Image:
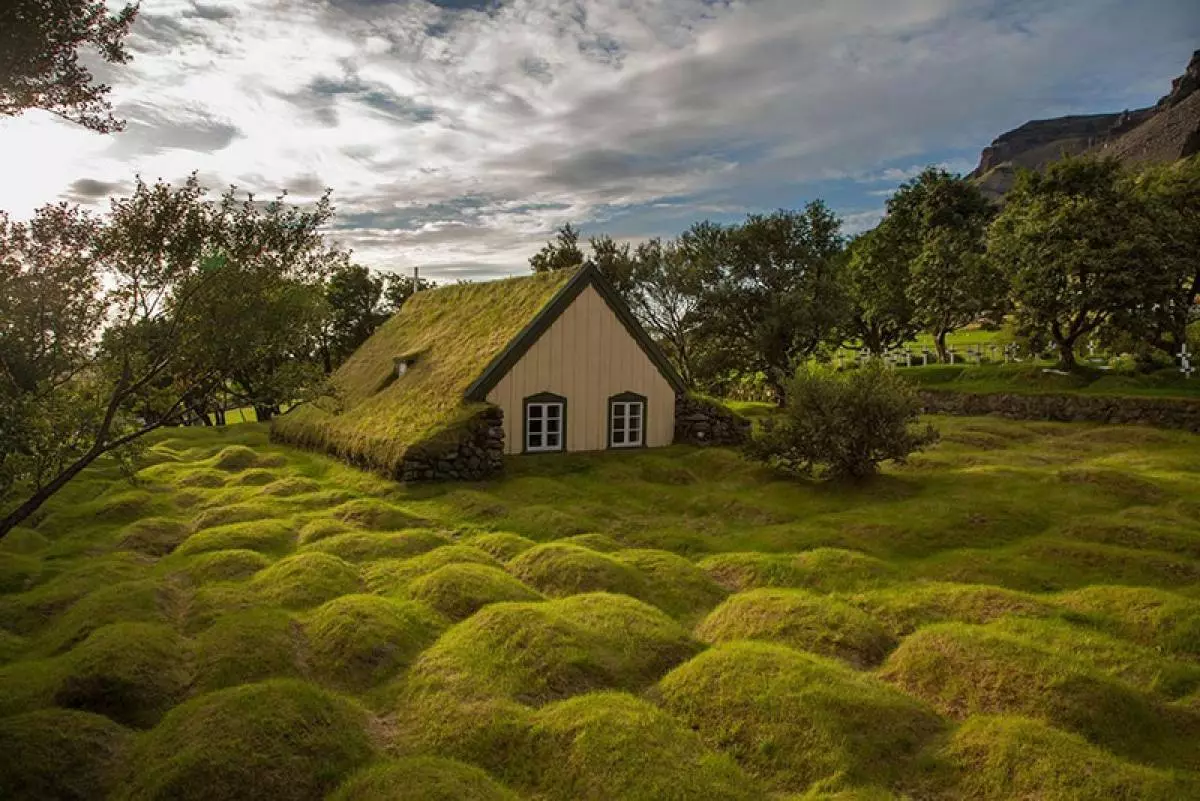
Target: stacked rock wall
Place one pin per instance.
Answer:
(477, 454)
(700, 421)
(1180, 413)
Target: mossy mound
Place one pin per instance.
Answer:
(792, 718)
(59, 755)
(503, 545)
(821, 569)
(1120, 483)
(213, 601)
(28, 684)
(290, 486)
(322, 527)
(560, 570)
(1160, 535)
(677, 586)
(127, 602)
(357, 641)
(376, 515)
(799, 619)
(130, 672)
(268, 536)
(1154, 618)
(213, 566)
(359, 546)
(281, 739)
(200, 478)
(422, 779)
(541, 652)
(906, 607)
(26, 612)
(1000, 758)
(11, 646)
(23, 539)
(593, 542)
(18, 572)
(247, 646)
(235, 458)
(153, 536)
(611, 745)
(458, 591)
(232, 513)
(255, 478)
(306, 580)
(967, 670)
(393, 575)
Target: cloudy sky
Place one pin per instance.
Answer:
(457, 134)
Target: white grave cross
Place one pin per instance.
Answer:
(1185, 361)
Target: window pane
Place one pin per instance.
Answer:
(618, 437)
(553, 426)
(535, 426)
(552, 440)
(535, 440)
(535, 410)
(554, 410)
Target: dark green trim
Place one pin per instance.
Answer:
(522, 342)
(625, 397)
(543, 397)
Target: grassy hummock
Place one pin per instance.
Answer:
(676, 585)
(504, 545)
(393, 575)
(793, 719)
(560, 570)
(305, 580)
(904, 608)
(61, 754)
(247, 646)
(821, 569)
(267, 536)
(361, 546)
(802, 620)
(459, 590)
(422, 779)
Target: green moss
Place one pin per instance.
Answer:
(540, 652)
(247, 646)
(130, 672)
(26, 612)
(966, 670)
(375, 515)
(611, 745)
(291, 486)
(1115, 482)
(127, 602)
(793, 719)
(1155, 618)
(232, 513)
(322, 527)
(305, 580)
(676, 585)
(905, 607)
(235, 458)
(560, 570)
(23, 539)
(59, 755)
(393, 575)
(153, 536)
(503, 545)
(201, 478)
(357, 641)
(18, 572)
(821, 569)
(255, 478)
(11, 646)
(28, 684)
(213, 566)
(422, 779)
(457, 591)
(267, 536)
(358, 546)
(281, 739)
(802, 620)
(999, 758)
(594, 542)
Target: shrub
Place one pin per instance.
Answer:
(130, 672)
(457, 591)
(59, 754)
(559, 570)
(611, 745)
(305, 580)
(540, 652)
(843, 424)
(280, 739)
(998, 758)
(422, 779)
(247, 646)
(802, 620)
(792, 719)
(356, 641)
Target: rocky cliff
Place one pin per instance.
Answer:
(1165, 132)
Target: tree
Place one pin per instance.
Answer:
(40, 43)
(399, 288)
(560, 253)
(882, 314)
(116, 328)
(663, 293)
(772, 293)
(844, 424)
(937, 224)
(1078, 246)
(615, 262)
(353, 297)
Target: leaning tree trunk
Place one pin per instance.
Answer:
(43, 494)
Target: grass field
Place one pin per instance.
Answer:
(1032, 379)
(1014, 614)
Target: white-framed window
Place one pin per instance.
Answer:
(626, 421)
(545, 423)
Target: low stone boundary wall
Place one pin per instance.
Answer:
(479, 454)
(1179, 413)
(699, 421)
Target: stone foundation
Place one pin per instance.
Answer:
(479, 454)
(1178, 413)
(699, 421)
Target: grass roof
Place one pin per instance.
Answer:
(454, 333)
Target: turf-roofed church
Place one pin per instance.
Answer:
(464, 374)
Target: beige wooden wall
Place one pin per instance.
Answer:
(586, 356)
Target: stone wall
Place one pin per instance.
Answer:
(476, 455)
(699, 421)
(1180, 413)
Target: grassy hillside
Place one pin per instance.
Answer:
(1015, 614)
